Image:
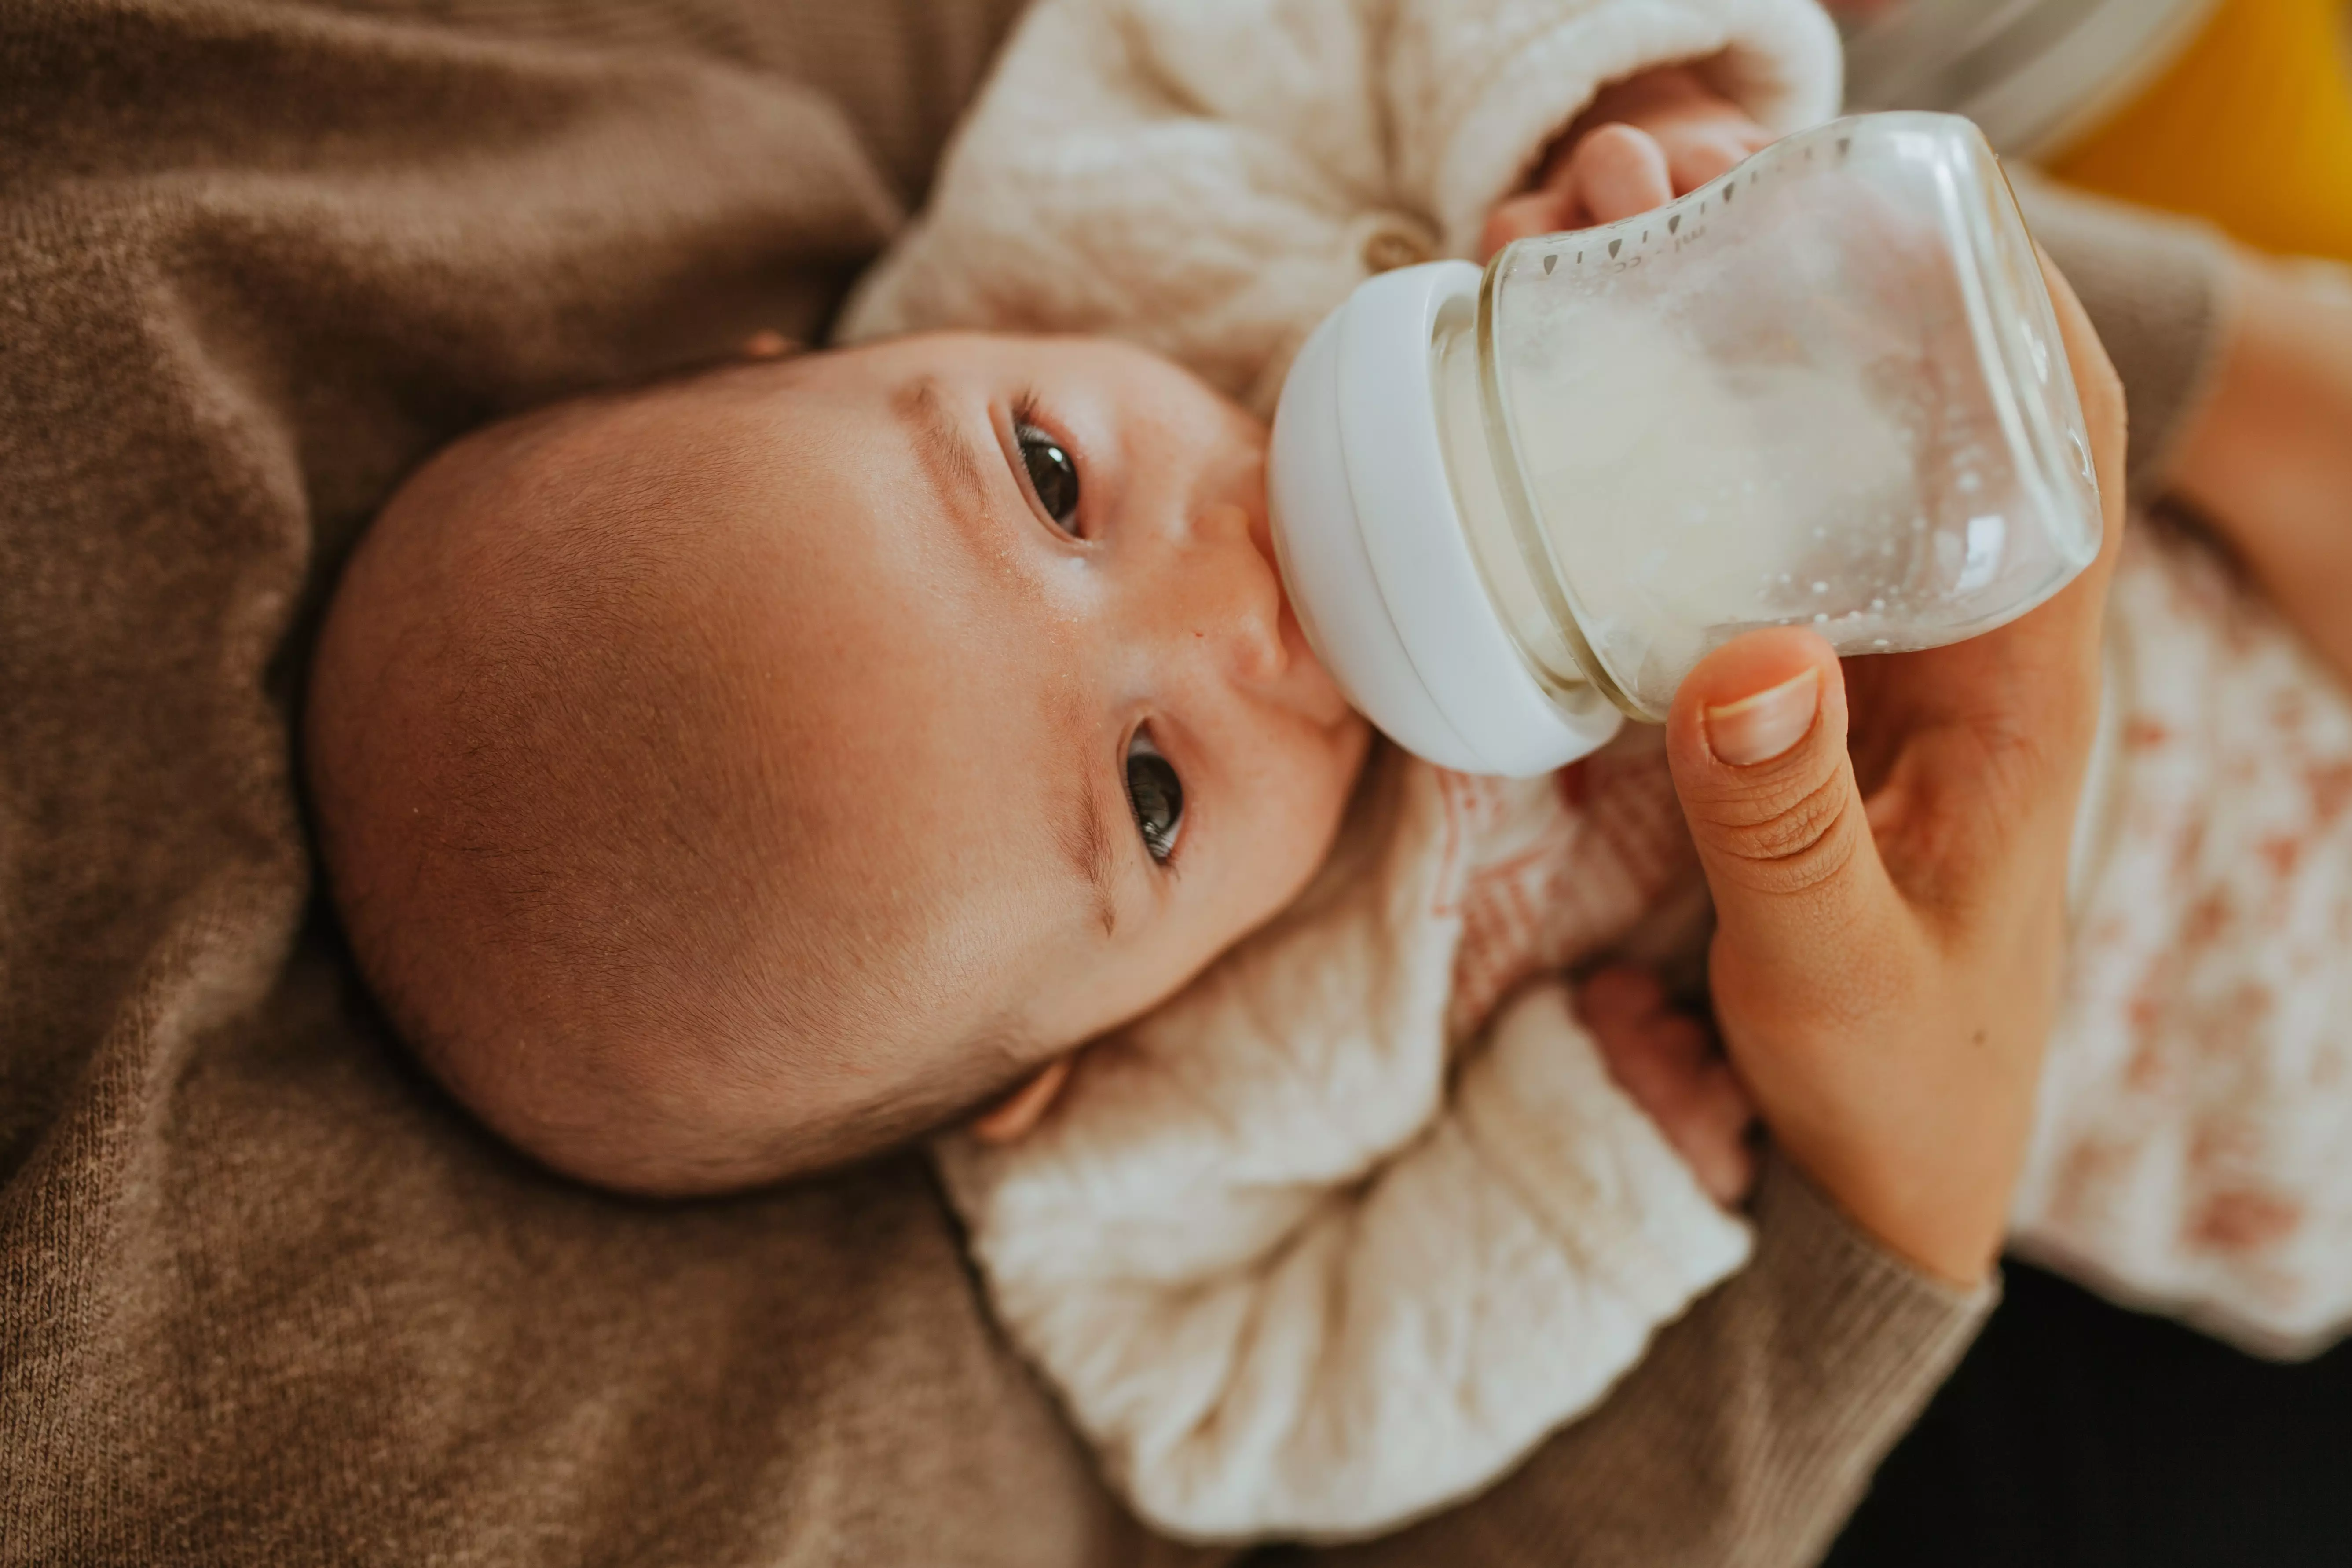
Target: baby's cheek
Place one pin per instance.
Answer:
(1313, 792)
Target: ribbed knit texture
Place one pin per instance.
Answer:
(263, 1296)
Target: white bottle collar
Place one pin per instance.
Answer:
(1373, 551)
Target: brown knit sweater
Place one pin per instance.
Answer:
(264, 1295)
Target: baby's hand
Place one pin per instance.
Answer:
(1667, 1061)
(1645, 141)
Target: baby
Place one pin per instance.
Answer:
(751, 771)
(848, 599)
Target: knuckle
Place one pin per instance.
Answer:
(1786, 839)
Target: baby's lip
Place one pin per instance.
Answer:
(1328, 705)
(1325, 704)
(1261, 532)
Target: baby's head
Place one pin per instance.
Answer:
(738, 776)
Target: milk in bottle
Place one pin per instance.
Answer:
(1826, 389)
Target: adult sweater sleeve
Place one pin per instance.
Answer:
(1211, 177)
(1745, 1437)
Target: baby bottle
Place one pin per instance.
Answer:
(1513, 505)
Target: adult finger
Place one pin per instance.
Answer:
(1987, 739)
(2044, 655)
(1757, 740)
(2077, 616)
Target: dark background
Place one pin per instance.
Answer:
(2077, 1434)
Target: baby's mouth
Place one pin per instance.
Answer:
(1328, 705)
(1261, 532)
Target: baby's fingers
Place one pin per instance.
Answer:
(1697, 154)
(1616, 1001)
(1666, 1062)
(1713, 1134)
(1617, 171)
(1620, 171)
(1697, 1105)
(1546, 210)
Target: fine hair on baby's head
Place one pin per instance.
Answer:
(739, 775)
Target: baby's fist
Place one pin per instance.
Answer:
(1645, 141)
(1666, 1061)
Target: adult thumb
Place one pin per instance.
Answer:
(1757, 739)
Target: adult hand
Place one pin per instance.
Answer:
(1888, 846)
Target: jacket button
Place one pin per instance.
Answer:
(1388, 247)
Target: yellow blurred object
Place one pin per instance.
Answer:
(2251, 127)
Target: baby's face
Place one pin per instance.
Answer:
(1062, 740)
(741, 775)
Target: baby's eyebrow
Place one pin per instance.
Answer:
(947, 458)
(954, 471)
(1088, 847)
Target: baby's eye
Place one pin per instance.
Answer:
(1155, 794)
(1052, 474)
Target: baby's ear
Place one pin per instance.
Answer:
(1011, 1117)
(769, 344)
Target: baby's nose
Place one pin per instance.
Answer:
(1235, 602)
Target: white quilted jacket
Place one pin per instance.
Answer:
(1333, 1237)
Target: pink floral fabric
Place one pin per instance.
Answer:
(2195, 1144)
